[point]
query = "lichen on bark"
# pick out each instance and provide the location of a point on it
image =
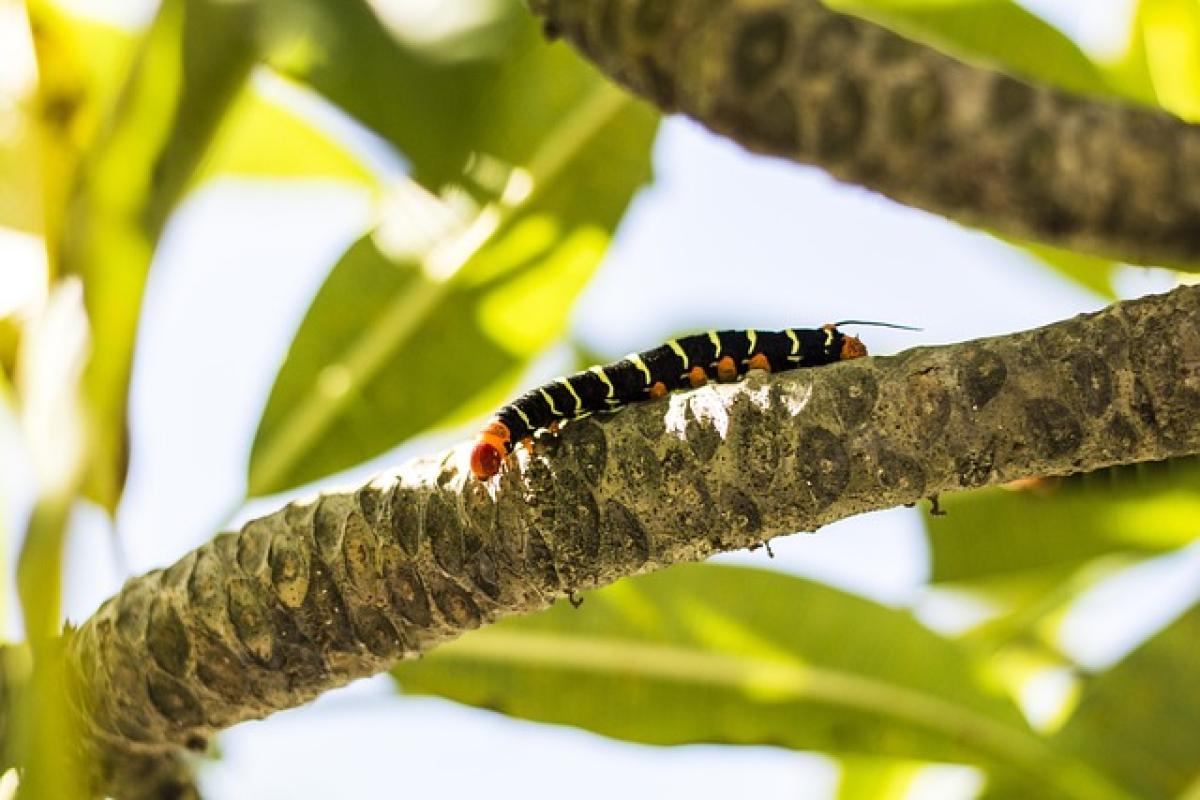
(340, 586)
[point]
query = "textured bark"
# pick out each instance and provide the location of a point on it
(341, 586)
(792, 78)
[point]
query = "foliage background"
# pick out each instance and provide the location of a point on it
(1035, 591)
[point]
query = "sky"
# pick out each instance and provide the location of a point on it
(235, 271)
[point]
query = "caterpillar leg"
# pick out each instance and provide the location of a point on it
(659, 389)
(759, 361)
(727, 370)
(697, 377)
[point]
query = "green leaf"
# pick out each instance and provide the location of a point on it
(704, 653)
(865, 778)
(1170, 32)
(129, 180)
(442, 330)
(996, 532)
(1140, 718)
(264, 137)
(427, 98)
(1091, 272)
(993, 31)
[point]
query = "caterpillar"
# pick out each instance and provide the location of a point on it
(684, 363)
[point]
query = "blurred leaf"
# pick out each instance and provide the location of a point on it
(995, 532)
(1090, 272)
(1140, 718)
(81, 65)
(865, 778)
(21, 189)
(704, 653)
(53, 354)
(427, 98)
(262, 136)
(1170, 31)
(443, 330)
(994, 31)
(176, 94)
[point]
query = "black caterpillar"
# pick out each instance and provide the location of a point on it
(684, 363)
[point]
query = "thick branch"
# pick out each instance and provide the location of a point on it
(792, 78)
(335, 588)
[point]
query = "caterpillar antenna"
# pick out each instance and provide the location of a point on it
(875, 324)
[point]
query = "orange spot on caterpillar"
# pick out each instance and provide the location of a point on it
(697, 377)
(852, 347)
(486, 459)
(759, 361)
(489, 451)
(726, 370)
(658, 390)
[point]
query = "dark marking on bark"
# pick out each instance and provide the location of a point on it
(171, 698)
(610, 26)
(166, 637)
(891, 48)
(444, 528)
(1122, 433)
(327, 527)
(857, 391)
(177, 575)
(370, 504)
(133, 607)
(929, 404)
(822, 464)
(406, 518)
(539, 560)
(406, 590)
(756, 447)
(362, 560)
(1052, 430)
(739, 513)
(589, 448)
(982, 375)
(650, 424)
(640, 463)
(659, 83)
(770, 123)
(456, 606)
(701, 436)
(760, 48)
(916, 110)
(898, 473)
(220, 670)
(206, 589)
(323, 615)
(622, 536)
(1009, 101)
(249, 619)
(376, 631)
(1093, 382)
(828, 45)
(481, 568)
(575, 522)
(651, 17)
(842, 120)
(289, 571)
(975, 468)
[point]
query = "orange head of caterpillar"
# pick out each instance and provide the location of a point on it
(490, 449)
(852, 347)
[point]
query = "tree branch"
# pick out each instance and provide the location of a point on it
(328, 590)
(792, 78)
